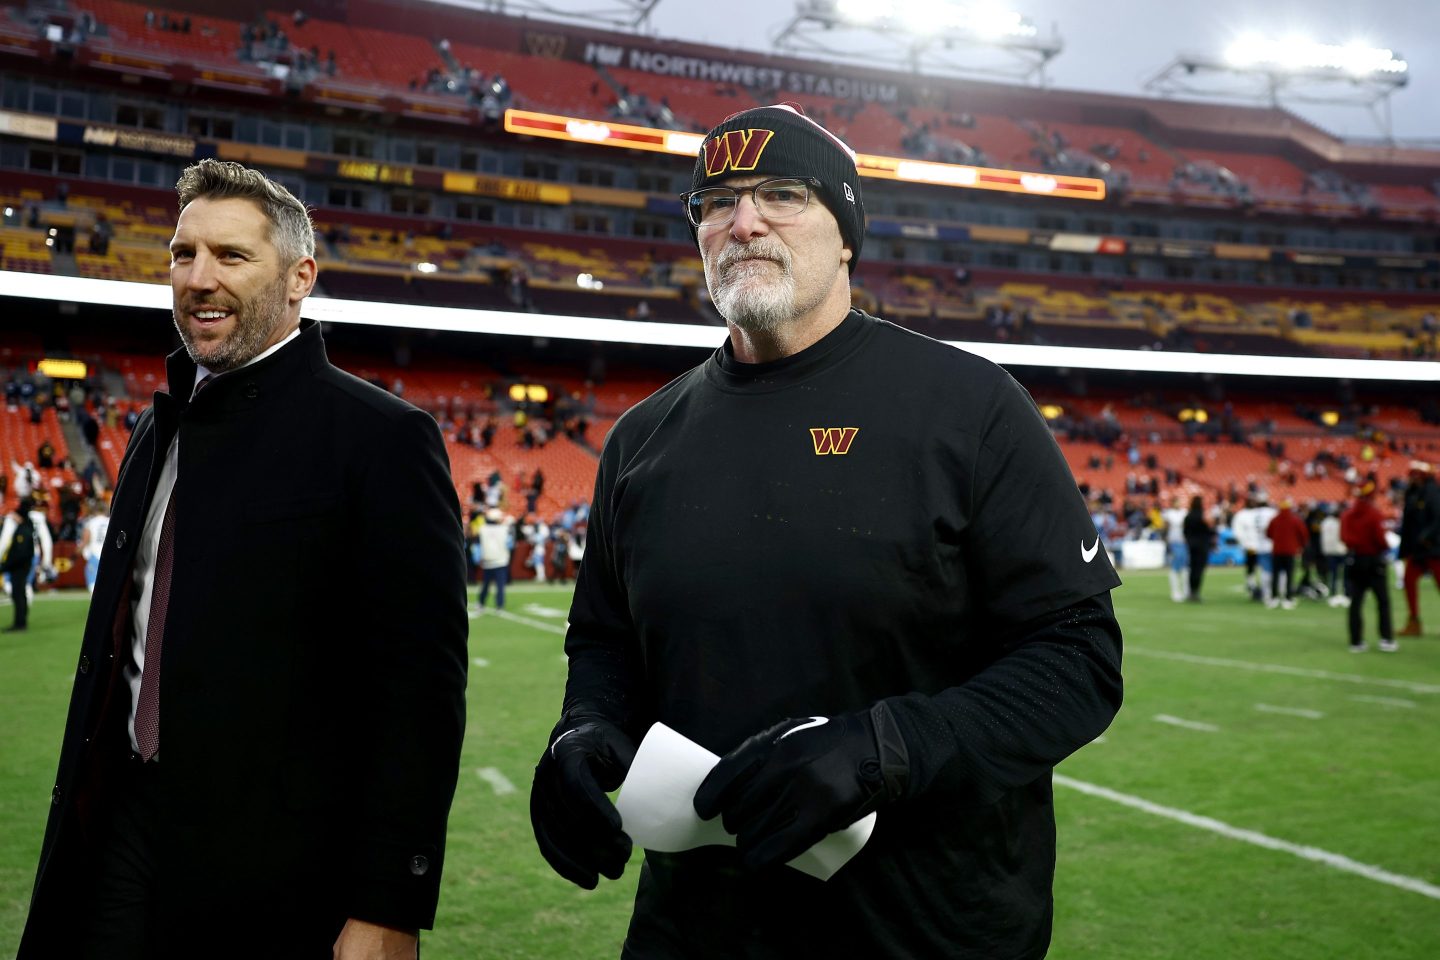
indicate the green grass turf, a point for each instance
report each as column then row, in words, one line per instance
column 1362, row 781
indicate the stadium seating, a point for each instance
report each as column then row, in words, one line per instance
column 209, row 39
column 24, row 251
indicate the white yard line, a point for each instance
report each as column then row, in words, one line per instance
column 1387, row 701
column 480, row 662
column 1315, row 854
column 1409, row 685
column 497, row 780
column 1187, row 724
column 516, row 618
column 1290, row 711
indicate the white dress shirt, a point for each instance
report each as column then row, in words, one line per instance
column 144, row 572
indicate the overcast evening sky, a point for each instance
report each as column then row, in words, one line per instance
column 1114, row 46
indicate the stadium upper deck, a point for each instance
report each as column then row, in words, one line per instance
column 1179, row 254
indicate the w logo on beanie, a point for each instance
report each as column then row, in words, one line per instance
column 735, row 150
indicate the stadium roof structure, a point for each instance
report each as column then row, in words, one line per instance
column 1274, row 72
column 937, row 37
column 622, row 14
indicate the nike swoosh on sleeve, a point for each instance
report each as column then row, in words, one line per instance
column 1089, row 554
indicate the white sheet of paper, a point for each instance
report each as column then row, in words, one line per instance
column 657, row 808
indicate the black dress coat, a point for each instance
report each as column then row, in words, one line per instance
column 314, row 666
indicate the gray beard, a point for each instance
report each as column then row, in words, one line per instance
column 255, row 320
column 755, row 306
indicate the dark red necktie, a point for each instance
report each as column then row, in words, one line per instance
column 147, row 711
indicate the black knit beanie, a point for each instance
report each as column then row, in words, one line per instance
column 780, row 141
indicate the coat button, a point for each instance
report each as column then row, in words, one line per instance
column 418, row 865
column 251, row 391
column 84, row 665
column 55, row 796
column 120, row 539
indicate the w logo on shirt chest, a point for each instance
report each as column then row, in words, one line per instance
column 834, row 440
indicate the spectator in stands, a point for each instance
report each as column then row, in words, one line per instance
column 497, row 539
column 27, row 478
column 267, row 490
column 45, row 455
column 1363, row 530
column 1288, row 536
column 943, row 708
column 100, row 234
column 1419, row 538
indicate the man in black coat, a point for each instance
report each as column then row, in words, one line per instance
column 264, row 735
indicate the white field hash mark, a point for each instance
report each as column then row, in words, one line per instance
column 1315, row 854
column 498, row 781
column 1387, row 701
column 1290, row 711
column 1409, row 685
column 537, row 624
column 1187, row 724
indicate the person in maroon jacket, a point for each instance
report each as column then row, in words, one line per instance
column 1363, row 530
column 1289, row 535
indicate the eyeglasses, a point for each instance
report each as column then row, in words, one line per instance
column 777, row 199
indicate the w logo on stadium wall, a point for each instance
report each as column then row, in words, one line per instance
column 834, row 440
column 736, row 150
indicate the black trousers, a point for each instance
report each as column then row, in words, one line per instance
column 1199, row 557
column 20, row 594
column 1367, row 574
column 1281, row 564
column 121, row 921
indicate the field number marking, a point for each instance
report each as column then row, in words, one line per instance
column 1314, row 854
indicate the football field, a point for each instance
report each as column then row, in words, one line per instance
column 1264, row 793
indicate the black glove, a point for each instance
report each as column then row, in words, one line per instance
column 784, row 789
column 576, row 825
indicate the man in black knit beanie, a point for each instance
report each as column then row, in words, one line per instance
column 850, row 561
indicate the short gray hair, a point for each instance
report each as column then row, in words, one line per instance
column 291, row 230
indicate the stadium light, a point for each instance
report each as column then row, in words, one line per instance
column 1351, row 59
column 1296, row 69
column 707, row 337
column 922, row 35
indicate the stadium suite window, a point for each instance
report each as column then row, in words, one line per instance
column 72, row 105
column 345, row 197
column 209, row 125
column 595, row 176
column 650, row 229
column 403, row 201
column 353, row 145
column 143, row 115
column 539, row 169
column 589, row 221
column 471, row 210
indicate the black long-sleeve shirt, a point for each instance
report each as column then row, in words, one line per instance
column 877, row 517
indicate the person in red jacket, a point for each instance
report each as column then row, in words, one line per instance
column 1363, row 530
column 1289, row 535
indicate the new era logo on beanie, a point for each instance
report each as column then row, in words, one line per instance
column 780, row 141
